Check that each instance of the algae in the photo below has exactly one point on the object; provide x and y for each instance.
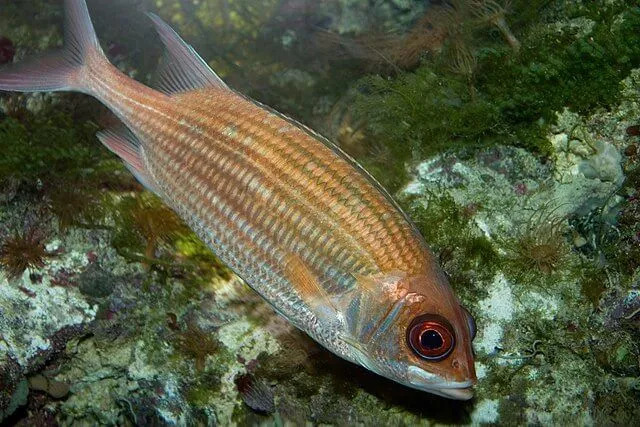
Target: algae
(577, 63)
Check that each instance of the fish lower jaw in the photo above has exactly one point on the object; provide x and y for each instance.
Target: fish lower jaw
(453, 390)
(431, 383)
(458, 393)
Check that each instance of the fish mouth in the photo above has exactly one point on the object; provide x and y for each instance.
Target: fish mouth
(423, 380)
(462, 392)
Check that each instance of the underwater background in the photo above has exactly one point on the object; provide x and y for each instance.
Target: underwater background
(508, 130)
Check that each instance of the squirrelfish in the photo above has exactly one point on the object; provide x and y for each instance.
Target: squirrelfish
(300, 221)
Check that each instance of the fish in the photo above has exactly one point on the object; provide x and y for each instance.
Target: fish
(296, 218)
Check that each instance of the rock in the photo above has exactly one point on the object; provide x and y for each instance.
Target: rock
(53, 388)
(96, 282)
(13, 387)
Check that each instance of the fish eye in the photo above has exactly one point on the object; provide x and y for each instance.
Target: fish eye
(431, 337)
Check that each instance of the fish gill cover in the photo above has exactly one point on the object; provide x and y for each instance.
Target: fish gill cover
(505, 130)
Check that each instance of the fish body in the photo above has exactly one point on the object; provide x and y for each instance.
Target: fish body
(291, 214)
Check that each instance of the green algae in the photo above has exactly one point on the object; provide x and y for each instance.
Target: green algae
(578, 63)
(461, 248)
(44, 146)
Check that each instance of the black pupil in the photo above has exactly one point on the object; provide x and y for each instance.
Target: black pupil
(431, 340)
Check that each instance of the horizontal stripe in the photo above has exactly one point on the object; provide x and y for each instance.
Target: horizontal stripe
(256, 188)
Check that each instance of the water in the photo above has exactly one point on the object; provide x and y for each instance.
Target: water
(508, 134)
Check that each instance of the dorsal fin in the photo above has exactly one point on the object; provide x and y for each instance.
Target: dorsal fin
(182, 69)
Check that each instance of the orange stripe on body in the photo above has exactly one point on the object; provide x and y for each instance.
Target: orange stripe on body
(291, 174)
(209, 147)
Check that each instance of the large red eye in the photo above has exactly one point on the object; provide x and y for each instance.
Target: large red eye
(431, 337)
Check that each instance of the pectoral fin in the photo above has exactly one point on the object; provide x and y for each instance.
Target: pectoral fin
(309, 288)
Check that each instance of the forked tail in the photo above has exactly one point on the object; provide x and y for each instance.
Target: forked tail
(64, 70)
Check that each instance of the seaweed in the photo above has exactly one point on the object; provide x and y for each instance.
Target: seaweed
(480, 92)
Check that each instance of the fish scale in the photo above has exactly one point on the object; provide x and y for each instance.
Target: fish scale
(288, 213)
(328, 192)
(305, 154)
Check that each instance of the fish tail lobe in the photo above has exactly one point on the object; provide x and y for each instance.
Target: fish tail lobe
(63, 70)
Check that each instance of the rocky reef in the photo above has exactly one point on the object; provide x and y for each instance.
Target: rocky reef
(513, 142)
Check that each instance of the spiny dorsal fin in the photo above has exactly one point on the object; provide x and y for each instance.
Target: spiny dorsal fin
(182, 69)
(123, 143)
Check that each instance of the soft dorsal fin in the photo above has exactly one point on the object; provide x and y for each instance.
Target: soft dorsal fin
(122, 142)
(182, 69)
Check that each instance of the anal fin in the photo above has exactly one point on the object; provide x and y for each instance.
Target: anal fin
(123, 143)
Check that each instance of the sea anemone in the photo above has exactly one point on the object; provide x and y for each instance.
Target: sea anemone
(540, 244)
(255, 393)
(73, 206)
(494, 12)
(196, 344)
(463, 62)
(144, 223)
(22, 251)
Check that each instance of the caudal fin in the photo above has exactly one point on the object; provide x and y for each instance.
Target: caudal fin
(61, 70)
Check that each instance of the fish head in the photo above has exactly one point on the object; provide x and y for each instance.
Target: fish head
(413, 330)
